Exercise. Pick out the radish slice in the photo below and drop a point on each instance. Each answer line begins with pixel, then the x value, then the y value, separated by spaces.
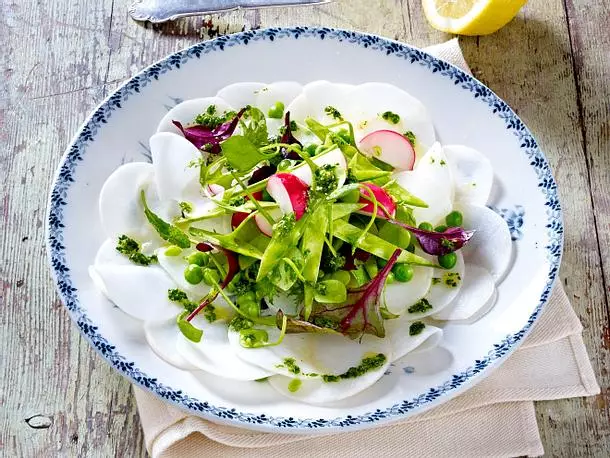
pixel 265 226
pixel 162 336
pixel 240 94
pixel 383 200
pixel 214 353
pixel 120 205
pixel 334 157
pixel 399 296
pixel 431 181
pixel 442 293
pixel 316 391
pixel 290 193
pixel 282 91
pixel 215 189
pixel 313 353
pixel 491 246
pixel 107 254
pixel 472 173
pixel 367 101
pixel 139 291
pixel 477 289
pixel 390 147
pixel 172 154
pixel 315 98
pixel 397 332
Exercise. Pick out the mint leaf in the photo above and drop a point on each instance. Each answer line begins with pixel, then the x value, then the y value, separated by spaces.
pixel 166 231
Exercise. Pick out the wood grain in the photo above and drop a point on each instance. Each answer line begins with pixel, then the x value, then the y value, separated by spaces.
pixel 58 398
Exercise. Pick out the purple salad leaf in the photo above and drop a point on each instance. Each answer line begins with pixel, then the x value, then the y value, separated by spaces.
pixel 233 269
pixel 289 139
pixel 201 136
pixel 362 314
pixel 438 243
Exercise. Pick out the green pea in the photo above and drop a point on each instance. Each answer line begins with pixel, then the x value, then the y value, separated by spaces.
pixel 440 228
pixel 252 309
pixel 447 261
pixel 381 263
pixel 245 298
pixel 198 258
pixel 390 279
pixel 311 150
pixel 173 251
pixel 342 275
pixel 371 267
pixel 193 274
pixel 276 111
pixel 266 196
pixel 284 164
pixel 403 272
pixel 426 226
pixel 454 219
pixel 211 277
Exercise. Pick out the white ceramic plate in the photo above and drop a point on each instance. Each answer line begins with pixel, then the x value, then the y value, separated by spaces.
pixel 463 110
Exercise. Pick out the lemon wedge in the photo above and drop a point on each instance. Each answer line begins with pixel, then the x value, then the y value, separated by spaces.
pixel 470 17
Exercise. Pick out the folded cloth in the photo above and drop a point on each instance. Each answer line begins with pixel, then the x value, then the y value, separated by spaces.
pixel 496 418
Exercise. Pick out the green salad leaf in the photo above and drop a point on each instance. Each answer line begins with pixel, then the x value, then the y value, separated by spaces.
pixel 254 127
pixel 241 153
pixel 374 244
pixel 166 231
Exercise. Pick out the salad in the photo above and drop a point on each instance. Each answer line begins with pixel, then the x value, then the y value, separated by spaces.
pixel 302 236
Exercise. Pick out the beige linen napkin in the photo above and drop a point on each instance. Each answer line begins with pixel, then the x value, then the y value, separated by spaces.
pixel 496 418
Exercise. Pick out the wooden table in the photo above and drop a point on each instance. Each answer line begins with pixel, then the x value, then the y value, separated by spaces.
pixel 61 58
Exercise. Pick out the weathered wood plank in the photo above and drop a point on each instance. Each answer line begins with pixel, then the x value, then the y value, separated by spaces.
pixel 79 51
pixel 540 85
pixel 590 48
pixel 79 405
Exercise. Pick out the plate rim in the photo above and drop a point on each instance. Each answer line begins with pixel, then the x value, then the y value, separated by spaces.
pixel 458 383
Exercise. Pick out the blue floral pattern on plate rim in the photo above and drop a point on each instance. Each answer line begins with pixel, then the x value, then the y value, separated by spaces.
pixel 65 177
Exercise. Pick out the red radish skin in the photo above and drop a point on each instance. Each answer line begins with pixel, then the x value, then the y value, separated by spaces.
pixel 390 147
pixel 290 192
pixel 215 189
pixel 383 200
pixel 238 218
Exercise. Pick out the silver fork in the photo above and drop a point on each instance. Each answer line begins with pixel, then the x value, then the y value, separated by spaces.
pixel 168 10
